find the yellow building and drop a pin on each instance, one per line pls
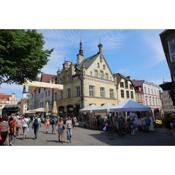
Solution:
(89, 81)
(125, 88)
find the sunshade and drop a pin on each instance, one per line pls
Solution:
(130, 106)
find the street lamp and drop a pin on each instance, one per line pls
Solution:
(168, 43)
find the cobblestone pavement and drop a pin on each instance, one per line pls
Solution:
(87, 137)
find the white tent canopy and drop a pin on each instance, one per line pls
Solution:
(130, 106)
(43, 84)
(105, 108)
(89, 108)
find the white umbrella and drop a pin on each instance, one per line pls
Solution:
(46, 109)
(54, 109)
(130, 106)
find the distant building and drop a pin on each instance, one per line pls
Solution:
(149, 94)
(24, 102)
(138, 85)
(125, 88)
(40, 96)
(7, 99)
(152, 95)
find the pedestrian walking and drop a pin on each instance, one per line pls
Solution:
(46, 124)
(4, 128)
(61, 129)
(24, 122)
(69, 129)
(12, 132)
(53, 123)
(35, 127)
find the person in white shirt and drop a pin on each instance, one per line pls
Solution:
(24, 122)
(69, 129)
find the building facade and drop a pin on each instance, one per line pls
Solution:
(7, 99)
(138, 85)
(40, 96)
(89, 81)
(168, 43)
(152, 95)
(23, 103)
(124, 87)
(167, 103)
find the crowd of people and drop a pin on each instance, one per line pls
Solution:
(11, 126)
(122, 124)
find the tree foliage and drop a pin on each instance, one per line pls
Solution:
(22, 55)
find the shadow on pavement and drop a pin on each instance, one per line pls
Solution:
(156, 138)
(21, 138)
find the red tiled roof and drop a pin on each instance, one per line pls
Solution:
(47, 77)
(4, 96)
(137, 83)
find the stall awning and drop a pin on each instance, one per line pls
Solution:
(43, 84)
(130, 106)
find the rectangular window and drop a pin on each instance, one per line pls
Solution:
(48, 92)
(91, 73)
(107, 76)
(78, 91)
(61, 95)
(121, 84)
(127, 94)
(102, 91)
(55, 96)
(104, 67)
(126, 84)
(111, 93)
(101, 74)
(69, 93)
(131, 87)
(132, 94)
(98, 65)
(91, 91)
(96, 73)
(122, 94)
(171, 44)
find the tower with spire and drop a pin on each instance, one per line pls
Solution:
(80, 55)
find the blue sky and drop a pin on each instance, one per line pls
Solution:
(137, 53)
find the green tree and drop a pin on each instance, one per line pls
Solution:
(22, 55)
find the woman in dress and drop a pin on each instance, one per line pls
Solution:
(61, 128)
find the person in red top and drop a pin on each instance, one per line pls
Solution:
(12, 133)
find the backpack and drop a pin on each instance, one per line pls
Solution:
(52, 121)
(35, 123)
